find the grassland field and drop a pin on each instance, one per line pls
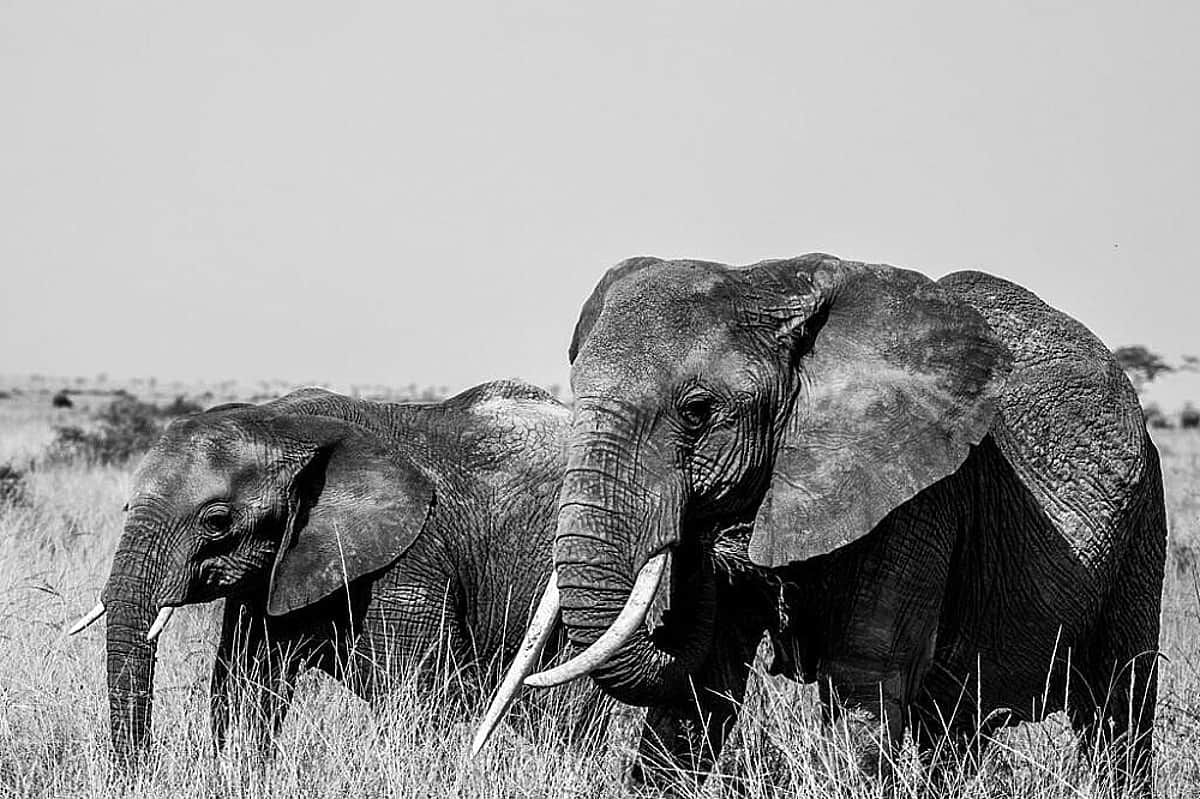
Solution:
(60, 527)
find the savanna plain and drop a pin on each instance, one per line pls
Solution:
(60, 519)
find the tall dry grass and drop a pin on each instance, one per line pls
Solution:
(55, 546)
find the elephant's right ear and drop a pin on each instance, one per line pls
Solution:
(355, 506)
(895, 379)
(595, 303)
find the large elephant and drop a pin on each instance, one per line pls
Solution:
(938, 498)
(363, 538)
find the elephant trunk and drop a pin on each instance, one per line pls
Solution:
(128, 598)
(611, 527)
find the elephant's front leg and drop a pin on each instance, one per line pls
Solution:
(253, 677)
(411, 627)
(878, 616)
(681, 742)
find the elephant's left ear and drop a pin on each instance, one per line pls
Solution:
(895, 379)
(356, 505)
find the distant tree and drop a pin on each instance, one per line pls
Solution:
(1189, 417)
(1142, 365)
(61, 400)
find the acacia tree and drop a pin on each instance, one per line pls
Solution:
(1143, 366)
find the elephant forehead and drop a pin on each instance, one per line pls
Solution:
(664, 325)
(192, 464)
(675, 294)
(641, 360)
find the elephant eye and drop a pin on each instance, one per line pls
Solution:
(217, 520)
(696, 410)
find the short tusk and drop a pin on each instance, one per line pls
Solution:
(160, 622)
(540, 628)
(629, 620)
(88, 619)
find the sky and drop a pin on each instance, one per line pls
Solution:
(427, 192)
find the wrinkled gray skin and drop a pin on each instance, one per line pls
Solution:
(926, 493)
(362, 538)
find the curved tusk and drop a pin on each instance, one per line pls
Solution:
(541, 625)
(629, 620)
(87, 620)
(160, 622)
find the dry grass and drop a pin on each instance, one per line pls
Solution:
(54, 554)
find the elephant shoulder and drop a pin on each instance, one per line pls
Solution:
(309, 400)
(1068, 421)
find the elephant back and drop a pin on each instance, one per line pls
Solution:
(1069, 422)
(520, 426)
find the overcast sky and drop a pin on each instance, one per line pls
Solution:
(427, 192)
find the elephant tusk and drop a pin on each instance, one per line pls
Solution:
(540, 628)
(626, 623)
(160, 622)
(87, 620)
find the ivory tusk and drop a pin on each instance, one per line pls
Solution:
(87, 620)
(160, 622)
(626, 623)
(541, 625)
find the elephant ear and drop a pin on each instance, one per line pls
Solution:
(595, 303)
(895, 381)
(355, 507)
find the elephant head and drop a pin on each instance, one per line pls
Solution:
(808, 397)
(246, 500)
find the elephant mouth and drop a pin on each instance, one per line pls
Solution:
(675, 634)
(693, 564)
(541, 626)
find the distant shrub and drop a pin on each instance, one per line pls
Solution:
(1155, 417)
(1189, 417)
(181, 406)
(1185, 557)
(126, 428)
(61, 400)
(12, 486)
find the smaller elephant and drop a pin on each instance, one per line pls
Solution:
(361, 538)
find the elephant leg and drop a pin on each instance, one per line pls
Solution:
(410, 628)
(1114, 712)
(951, 740)
(680, 744)
(1114, 716)
(882, 603)
(253, 677)
(868, 710)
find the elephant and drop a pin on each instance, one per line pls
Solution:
(363, 538)
(938, 500)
